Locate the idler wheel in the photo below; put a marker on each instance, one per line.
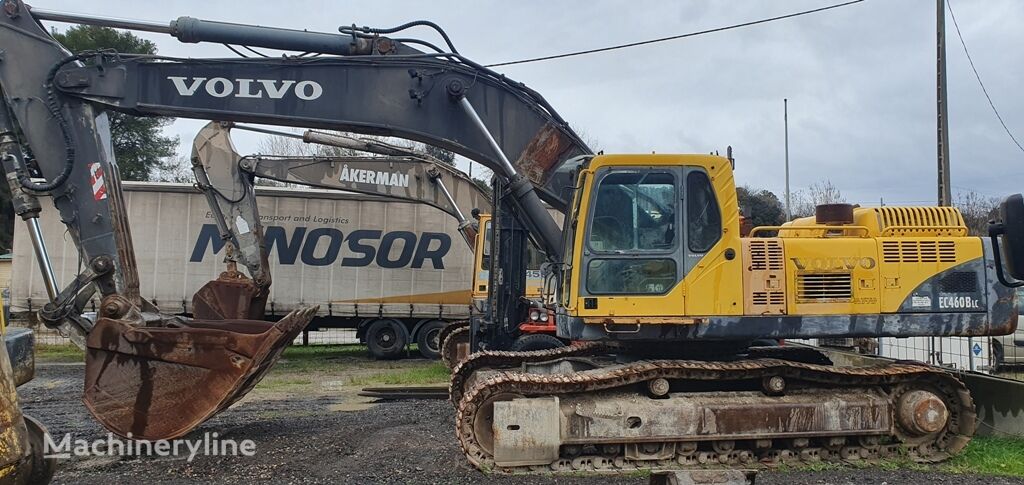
(921, 412)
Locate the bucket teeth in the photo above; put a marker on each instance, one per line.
(162, 382)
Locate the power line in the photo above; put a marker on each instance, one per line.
(978, 77)
(674, 37)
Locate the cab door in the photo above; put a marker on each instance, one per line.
(633, 254)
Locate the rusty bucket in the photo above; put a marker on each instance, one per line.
(162, 381)
(232, 296)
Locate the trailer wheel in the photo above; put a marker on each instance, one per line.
(386, 339)
(428, 339)
(536, 341)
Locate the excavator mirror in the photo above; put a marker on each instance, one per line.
(1010, 226)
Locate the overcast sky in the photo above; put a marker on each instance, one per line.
(860, 79)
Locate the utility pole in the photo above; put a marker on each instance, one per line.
(942, 105)
(785, 122)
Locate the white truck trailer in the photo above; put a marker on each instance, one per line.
(363, 259)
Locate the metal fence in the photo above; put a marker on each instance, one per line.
(326, 336)
(999, 356)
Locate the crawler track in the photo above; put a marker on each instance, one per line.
(450, 337)
(893, 379)
(501, 359)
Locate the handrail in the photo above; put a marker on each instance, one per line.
(814, 227)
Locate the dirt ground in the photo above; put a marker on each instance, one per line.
(309, 427)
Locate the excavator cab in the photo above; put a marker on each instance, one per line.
(649, 237)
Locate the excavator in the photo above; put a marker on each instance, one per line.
(399, 173)
(650, 277)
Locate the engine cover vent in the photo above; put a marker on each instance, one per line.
(765, 254)
(769, 298)
(918, 251)
(920, 221)
(824, 287)
(764, 276)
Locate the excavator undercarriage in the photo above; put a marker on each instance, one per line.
(588, 412)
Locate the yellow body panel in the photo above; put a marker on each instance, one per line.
(898, 279)
(832, 258)
(868, 267)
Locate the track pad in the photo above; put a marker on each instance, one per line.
(161, 382)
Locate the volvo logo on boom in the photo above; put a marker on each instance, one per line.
(835, 263)
(222, 87)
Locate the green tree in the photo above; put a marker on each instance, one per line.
(140, 147)
(761, 206)
(483, 185)
(977, 210)
(441, 154)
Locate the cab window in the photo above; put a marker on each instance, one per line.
(534, 257)
(485, 258)
(634, 211)
(634, 214)
(703, 219)
(608, 276)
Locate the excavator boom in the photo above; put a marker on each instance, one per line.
(150, 375)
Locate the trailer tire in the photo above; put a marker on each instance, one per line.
(536, 341)
(387, 338)
(428, 339)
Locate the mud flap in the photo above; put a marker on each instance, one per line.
(161, 382)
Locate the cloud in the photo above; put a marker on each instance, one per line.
(860, 79)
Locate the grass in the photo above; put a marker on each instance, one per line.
(59, 353)
(329, 368)
(985, 455)
(991, 456)
(434, 373)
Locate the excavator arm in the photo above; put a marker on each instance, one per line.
(394, 173)
(227, 178)
(150, 375)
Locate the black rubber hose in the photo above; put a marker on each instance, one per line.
(53, 105)
(427, 23)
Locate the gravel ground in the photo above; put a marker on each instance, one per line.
(308, 439)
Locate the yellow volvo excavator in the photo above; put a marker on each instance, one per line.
(650, 278)
(669, 296)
